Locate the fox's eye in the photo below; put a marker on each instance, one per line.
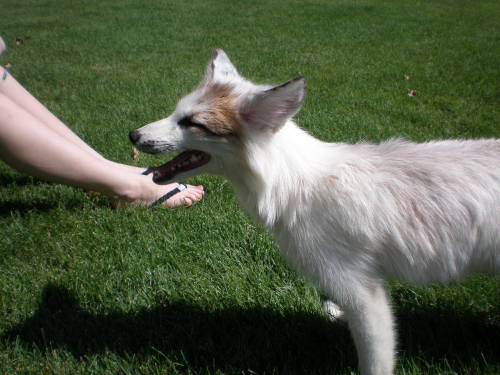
(186, 121)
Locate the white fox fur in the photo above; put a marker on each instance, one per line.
(345, 216)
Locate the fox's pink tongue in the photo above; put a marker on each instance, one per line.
(181, 163)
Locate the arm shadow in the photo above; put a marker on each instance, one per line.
(40, 203)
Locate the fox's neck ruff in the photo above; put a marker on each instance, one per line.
(280, 175)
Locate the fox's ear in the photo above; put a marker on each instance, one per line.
(220, 68)
(273, 107)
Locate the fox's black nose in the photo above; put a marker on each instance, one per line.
(134, 136)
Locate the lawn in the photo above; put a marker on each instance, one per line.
(87, 289)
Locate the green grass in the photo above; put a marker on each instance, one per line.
(85, 289)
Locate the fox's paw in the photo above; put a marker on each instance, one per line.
(333, 311)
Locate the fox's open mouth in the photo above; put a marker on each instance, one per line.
(183, 162)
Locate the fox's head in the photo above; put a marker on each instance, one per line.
(214, 124)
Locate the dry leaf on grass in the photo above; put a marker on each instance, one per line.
(90, 193)
(135, 153)
(18, 40)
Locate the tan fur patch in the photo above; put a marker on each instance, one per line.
(220, 117)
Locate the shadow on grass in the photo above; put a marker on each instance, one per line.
(39, 202)
(235, 340)
(22, 207)
(17, 180)
(6, 208)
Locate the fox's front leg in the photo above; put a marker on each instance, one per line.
(370, 321)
